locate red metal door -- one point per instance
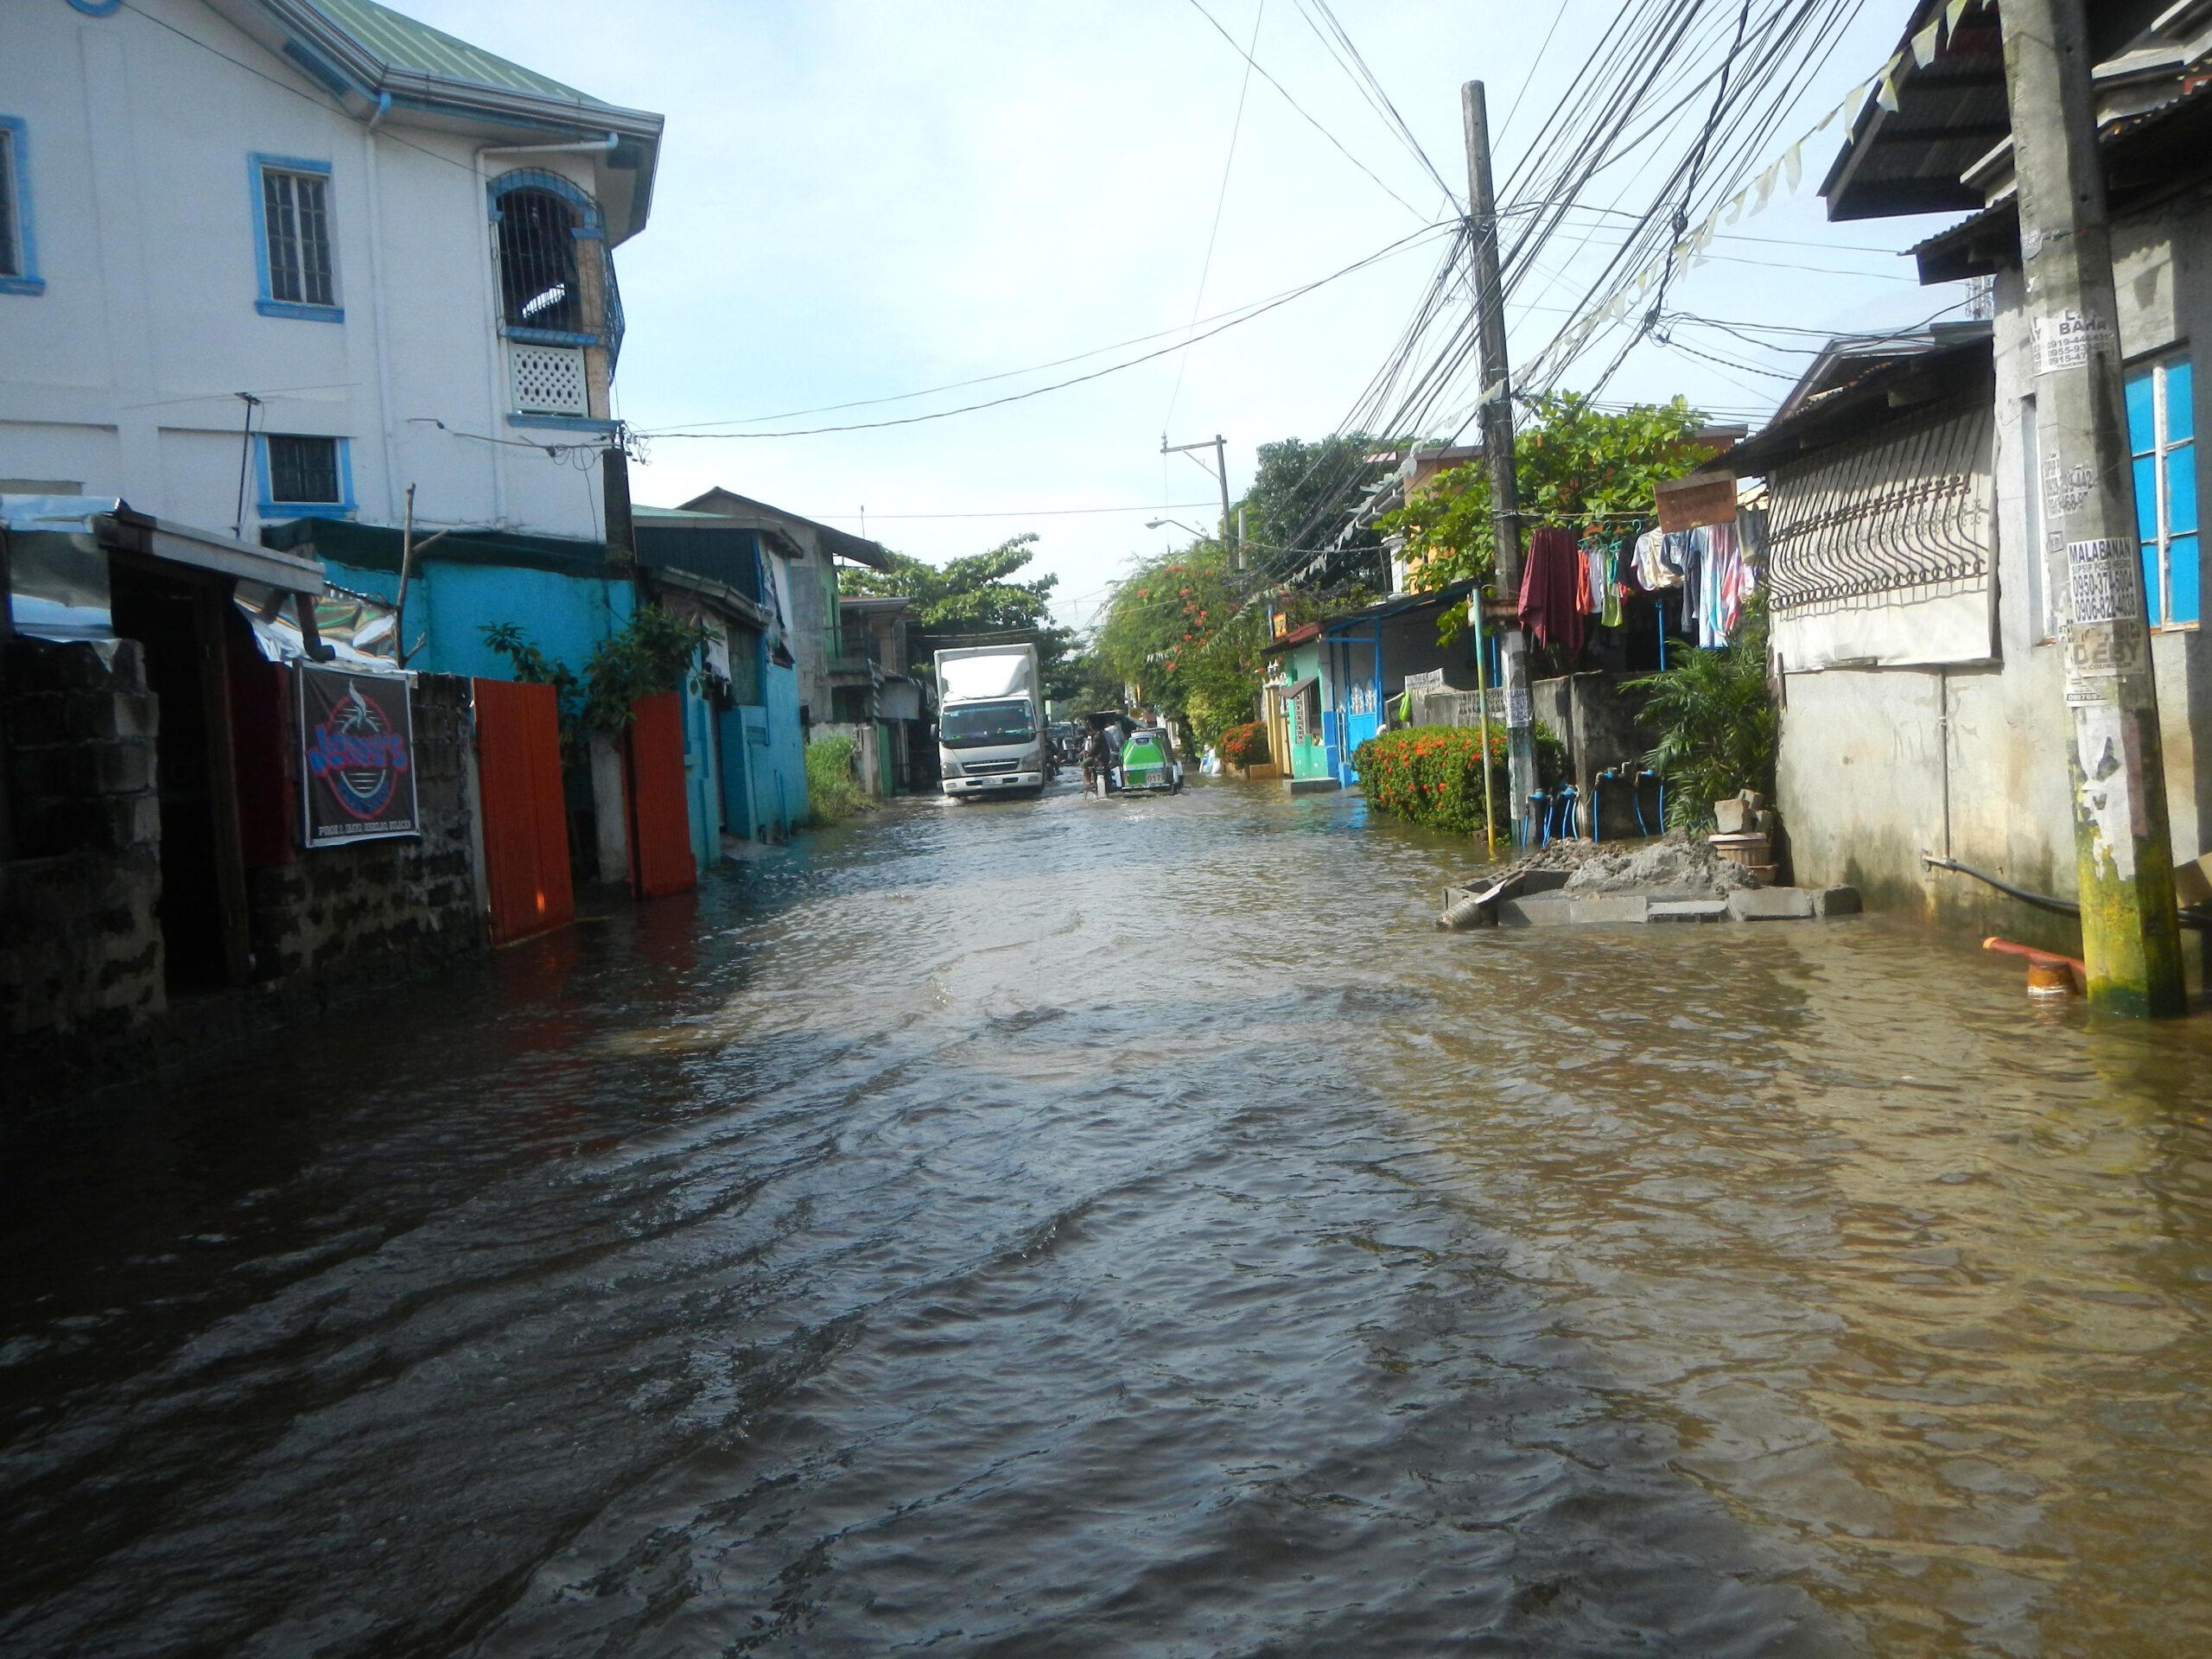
(526, 827)
(660, 818)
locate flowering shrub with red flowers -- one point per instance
(1245, 745)
(1434, 774)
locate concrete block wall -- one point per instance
(340, 919)
(80, 945)
(82, 995)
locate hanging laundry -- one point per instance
(1686, 548)
(1551, 582)
(1723, 560)
(1652, 569)
(1609, 614)
(1594, 578)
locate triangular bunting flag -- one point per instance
(1923, 44)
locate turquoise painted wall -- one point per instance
(763, 760)
(781, 773)
(1309, 752)
(565, 617)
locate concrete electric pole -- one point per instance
(2123, 850)
(1496, 408)
(1219, 445)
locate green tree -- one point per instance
(1184, 630)
(1575, 465)
(976, 594)
(1716, 720)
(1299, 492)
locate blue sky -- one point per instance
(859, 199)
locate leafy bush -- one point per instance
(1245, 745)
(1716, 722)
(1434, 774)
(652, 653)
(832, 790)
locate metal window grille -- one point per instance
(11, 264)
(548, 379)
(538, 286)
(303, 469)
(295, 207)
(1897, 515)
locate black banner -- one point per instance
(357, 756)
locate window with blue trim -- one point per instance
(2162, 439)
(292, 220)
(305, 476)
(18, 251)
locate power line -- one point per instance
(1001, 374)
(1300, 108)
(1075, 380)
(1349, 57)
(1220, 201)
(1034, 512)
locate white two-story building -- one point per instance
(263, 260)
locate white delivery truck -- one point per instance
(990, 721)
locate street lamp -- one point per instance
(1154, 524)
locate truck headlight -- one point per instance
(952, 768)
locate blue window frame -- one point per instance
(293, 247)
(303, 475)
(18, 244)
(2162, 439)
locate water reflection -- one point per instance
(1092, 1228)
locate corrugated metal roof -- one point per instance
(403, 43)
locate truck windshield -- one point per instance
(974, 725)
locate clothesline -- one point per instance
(1568, 579)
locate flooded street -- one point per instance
(1091, 1228)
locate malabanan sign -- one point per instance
(357, 756)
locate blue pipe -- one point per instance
(1539, 814)
(1610, 775)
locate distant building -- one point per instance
(814, 627)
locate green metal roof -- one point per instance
(402, 43)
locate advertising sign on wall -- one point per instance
(357, 756)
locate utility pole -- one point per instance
(2130, 938)
(1219, 445)
(1497, 410)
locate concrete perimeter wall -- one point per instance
(83, 997)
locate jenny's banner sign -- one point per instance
(357, 756)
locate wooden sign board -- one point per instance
(1701, 498)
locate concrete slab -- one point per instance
(1836, 901)
(1311, 785)
(1770, 904)
(1687, 910)
(1536, 910)
(1609, 909)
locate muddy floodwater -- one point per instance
(1086, 1228)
